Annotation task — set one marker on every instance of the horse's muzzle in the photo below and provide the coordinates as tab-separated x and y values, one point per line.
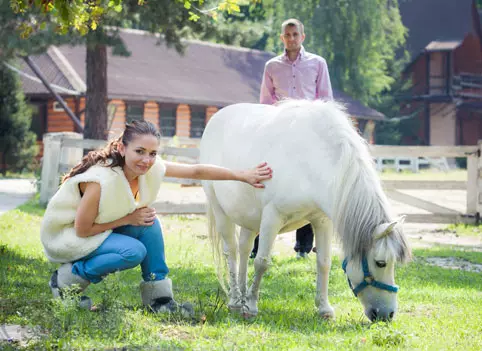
375	314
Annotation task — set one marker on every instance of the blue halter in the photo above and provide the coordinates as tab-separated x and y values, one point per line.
367	280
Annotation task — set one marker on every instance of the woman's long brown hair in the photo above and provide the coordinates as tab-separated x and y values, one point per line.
109	156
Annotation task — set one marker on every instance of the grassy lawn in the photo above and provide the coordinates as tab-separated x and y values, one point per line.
440	309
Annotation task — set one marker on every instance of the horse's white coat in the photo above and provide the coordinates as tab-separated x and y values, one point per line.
322	174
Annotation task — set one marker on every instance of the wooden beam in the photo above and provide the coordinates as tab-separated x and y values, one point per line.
432	218
419	203
57	97
425	184
83	143
422	151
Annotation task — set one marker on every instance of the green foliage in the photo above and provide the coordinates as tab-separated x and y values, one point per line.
14	27
246	28
358	38
362	41
83	17
17	143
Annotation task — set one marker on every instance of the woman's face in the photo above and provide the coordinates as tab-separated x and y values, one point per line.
140	154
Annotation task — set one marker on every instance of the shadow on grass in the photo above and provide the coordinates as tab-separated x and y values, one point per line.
23	282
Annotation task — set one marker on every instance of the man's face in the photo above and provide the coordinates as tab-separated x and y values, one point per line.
292	38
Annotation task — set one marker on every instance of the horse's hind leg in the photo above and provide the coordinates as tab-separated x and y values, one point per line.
271	224
225	227
246	241
323	228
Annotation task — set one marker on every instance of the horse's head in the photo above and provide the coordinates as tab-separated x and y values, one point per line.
372	276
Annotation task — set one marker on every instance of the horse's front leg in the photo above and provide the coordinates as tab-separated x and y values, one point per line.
323	228
271	224
246	241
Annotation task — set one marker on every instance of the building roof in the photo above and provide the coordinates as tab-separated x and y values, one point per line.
435	20
207	74
33	85
441	45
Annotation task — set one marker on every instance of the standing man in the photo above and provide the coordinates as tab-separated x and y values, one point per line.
296	74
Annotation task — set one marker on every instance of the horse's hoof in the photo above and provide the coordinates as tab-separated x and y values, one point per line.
235	308
247	313
327	312
328	315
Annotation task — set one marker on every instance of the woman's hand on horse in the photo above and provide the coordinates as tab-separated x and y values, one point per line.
144	216
257	175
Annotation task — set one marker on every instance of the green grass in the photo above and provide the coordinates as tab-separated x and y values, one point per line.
439	309
466	229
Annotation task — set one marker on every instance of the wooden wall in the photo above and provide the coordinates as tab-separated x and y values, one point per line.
59	121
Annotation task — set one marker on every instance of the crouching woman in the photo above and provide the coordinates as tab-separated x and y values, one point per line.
100	220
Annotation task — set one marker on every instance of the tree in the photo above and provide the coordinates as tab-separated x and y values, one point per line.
85	16
17	143
92	22
246	28
358	38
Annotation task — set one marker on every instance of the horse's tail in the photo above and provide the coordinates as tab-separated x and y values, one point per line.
217	246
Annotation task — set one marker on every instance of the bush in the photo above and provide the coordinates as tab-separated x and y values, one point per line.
18	145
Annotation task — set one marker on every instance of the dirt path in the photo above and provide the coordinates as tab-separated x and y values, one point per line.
14	192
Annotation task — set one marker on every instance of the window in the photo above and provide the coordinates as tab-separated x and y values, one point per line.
439	73
134	111
39	110
198	121
167	119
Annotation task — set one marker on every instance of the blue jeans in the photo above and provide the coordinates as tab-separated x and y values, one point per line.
125	248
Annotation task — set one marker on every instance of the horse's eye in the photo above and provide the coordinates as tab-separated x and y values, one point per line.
381	264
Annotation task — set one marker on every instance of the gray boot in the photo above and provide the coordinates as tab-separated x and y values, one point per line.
158	296
64	278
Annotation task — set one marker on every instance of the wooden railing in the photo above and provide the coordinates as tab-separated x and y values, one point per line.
63	150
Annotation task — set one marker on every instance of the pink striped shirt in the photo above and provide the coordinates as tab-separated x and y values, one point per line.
305	78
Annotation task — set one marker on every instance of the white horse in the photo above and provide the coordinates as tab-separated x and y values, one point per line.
323	174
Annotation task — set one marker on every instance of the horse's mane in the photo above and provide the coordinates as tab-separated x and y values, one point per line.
360	204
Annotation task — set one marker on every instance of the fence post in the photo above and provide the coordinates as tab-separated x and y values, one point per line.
54	155
474	185
478	182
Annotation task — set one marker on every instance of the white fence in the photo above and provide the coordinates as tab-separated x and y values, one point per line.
63	150
437	213
412	164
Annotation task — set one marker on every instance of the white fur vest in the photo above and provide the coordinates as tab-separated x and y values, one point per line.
58	235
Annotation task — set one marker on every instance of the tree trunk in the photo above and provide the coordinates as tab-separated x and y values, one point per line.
3	163
96	95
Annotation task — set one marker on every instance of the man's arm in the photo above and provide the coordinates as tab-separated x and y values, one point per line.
323	85
266	95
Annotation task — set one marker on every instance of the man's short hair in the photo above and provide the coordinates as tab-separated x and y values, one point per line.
293	22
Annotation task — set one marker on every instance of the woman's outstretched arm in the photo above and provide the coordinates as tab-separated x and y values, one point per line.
254	176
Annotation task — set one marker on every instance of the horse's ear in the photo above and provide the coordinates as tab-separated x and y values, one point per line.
387	230
401	220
